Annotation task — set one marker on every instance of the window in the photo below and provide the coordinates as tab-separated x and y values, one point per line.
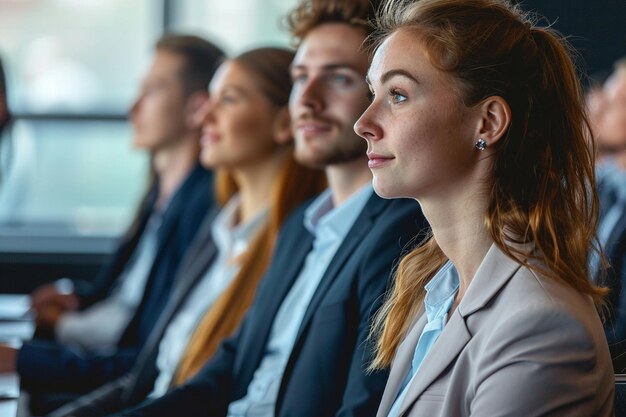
73	69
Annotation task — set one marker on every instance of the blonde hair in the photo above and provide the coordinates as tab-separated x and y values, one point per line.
293	185
492	48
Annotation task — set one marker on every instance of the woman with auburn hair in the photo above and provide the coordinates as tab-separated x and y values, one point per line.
478	115
247	85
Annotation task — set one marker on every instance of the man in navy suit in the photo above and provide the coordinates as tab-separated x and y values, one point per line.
611	183
143	268
303	347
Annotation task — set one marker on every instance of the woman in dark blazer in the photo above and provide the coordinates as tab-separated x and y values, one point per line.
477	114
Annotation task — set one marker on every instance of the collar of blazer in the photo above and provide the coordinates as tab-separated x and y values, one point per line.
494	272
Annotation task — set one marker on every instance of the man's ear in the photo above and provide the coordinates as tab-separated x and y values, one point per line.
495	119
282	127
194	109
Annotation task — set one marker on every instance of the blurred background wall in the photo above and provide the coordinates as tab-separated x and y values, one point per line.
70	179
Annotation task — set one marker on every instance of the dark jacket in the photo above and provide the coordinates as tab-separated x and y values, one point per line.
137	384
325	373
48	366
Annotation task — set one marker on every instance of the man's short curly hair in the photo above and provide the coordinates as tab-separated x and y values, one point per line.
311	13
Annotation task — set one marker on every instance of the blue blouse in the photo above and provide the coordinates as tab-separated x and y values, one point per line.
440	293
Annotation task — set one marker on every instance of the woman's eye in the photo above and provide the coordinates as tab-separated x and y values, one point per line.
396	97
370	95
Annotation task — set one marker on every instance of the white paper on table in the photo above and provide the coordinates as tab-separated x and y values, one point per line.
16	330
15	307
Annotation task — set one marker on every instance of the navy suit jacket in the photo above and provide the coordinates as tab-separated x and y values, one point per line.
92	291
47	366
134	387
615	279
325	373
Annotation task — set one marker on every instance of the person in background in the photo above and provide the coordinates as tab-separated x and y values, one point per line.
121	308
610	133
302	348
162	119
248	141
478	114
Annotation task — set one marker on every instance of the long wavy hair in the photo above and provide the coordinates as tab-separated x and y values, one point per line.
294	184
542	180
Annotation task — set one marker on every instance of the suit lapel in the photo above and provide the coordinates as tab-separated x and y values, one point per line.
494	272
401	364
443	352
172	215
197	261
357	233
284	271
615	237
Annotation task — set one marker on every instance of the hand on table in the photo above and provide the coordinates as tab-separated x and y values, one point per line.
49	304
8	359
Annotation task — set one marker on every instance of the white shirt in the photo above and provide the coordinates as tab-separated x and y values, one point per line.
231	241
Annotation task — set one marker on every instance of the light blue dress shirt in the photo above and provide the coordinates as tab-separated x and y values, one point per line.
440	293
329	225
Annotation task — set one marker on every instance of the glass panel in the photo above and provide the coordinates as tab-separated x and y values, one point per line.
70	177
235	25
77	56
80	177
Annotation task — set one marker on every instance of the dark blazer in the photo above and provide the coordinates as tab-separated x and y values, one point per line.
92	291
134	387
325	373
47	366
615	278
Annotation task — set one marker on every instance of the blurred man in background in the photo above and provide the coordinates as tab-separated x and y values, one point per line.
100	326
609	124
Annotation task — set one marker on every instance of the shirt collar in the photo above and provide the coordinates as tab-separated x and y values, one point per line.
322	214
226	233
440	292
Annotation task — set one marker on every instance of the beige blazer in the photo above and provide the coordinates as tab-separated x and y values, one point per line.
519	344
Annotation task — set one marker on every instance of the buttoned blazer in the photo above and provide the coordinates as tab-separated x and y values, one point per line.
325	373
519	344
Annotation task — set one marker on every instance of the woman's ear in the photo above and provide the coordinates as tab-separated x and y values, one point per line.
194	109
495	119
282	127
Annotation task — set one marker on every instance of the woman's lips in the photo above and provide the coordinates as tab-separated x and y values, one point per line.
377	160
209	137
